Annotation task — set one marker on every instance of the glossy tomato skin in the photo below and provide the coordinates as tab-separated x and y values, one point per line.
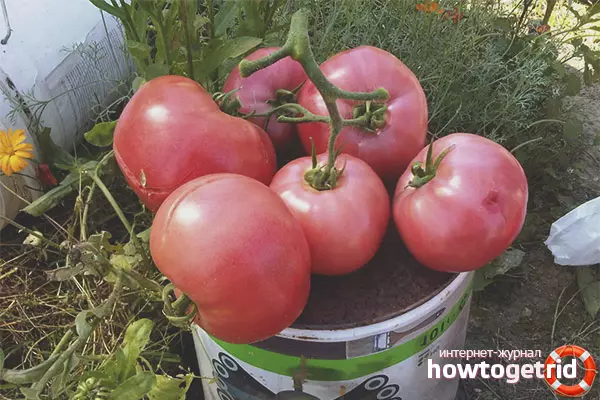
256	90
470	212
171	132
233	247
363	69
344	226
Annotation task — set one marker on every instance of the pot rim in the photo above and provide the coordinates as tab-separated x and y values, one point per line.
411	316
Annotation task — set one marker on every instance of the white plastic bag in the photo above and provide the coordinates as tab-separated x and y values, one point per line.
575	238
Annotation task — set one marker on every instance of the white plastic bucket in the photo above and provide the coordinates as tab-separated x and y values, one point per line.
383	361
36	63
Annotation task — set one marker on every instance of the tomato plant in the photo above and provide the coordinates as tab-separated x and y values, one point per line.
171	132
393	132
464	209
232	246
345	225
267	89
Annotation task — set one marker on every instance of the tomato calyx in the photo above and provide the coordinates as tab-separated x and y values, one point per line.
369	115
228	103
323	177
424	173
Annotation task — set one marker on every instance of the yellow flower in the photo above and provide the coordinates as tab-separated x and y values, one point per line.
429	7
13	152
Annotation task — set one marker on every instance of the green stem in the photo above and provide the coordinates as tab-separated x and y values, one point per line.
188	39
129	20
56	367
133	237
86	210
297	46
29	231
211	18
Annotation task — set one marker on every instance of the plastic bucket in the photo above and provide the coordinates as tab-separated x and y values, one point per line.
35	65
386	360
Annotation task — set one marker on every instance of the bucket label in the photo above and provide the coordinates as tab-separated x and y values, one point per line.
234	383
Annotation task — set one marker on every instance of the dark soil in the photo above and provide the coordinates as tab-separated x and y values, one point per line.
391	284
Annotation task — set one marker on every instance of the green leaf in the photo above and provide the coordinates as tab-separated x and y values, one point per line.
134	388
253	23
51	152
573	85
53	197
101	241
503	24
104	6
225	16
572	130
25	376
168	388
30	393
156	70
140	51
137	83
559	68
590	289
510	259
200	22
101	135
230	49
136	339
140	19
2	358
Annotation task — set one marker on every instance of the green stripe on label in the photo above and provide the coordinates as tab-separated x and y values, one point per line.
338	370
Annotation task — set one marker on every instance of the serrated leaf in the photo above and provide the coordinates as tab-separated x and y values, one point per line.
225	16
101	241
101	135
140	18
572	129
231	49
590	289
168	388
134	388
139	50
573	85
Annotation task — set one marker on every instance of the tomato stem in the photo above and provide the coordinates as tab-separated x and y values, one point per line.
422	175
297	46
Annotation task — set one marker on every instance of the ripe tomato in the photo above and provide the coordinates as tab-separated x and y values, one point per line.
171	132
470	212
388	149
258	92
233	247
344	226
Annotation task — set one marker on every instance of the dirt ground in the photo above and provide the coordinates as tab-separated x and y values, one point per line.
538	306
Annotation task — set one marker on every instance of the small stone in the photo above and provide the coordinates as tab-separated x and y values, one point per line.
527	312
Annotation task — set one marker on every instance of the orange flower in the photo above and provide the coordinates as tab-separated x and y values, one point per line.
456	15
429	7
14	153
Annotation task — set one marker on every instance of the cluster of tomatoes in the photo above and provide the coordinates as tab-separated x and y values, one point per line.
241	238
